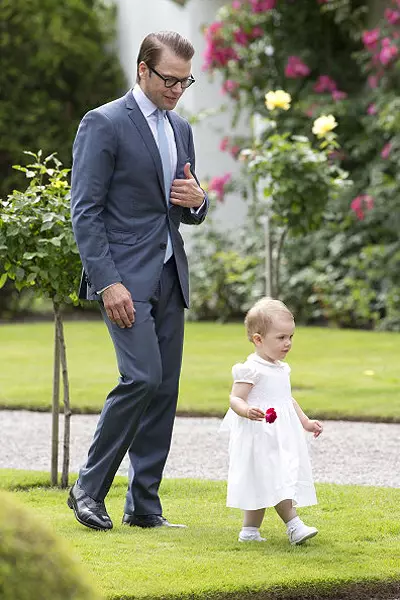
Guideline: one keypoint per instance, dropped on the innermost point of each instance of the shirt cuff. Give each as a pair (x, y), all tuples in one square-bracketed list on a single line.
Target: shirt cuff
[(195, 211), (104, 289)]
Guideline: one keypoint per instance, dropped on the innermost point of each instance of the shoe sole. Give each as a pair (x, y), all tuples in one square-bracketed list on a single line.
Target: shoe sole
[(171, 525), (72, 507), (246, 541), (308, 536)]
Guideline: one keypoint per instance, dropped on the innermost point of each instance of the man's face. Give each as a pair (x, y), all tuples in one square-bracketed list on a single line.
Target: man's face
[(169, 65)]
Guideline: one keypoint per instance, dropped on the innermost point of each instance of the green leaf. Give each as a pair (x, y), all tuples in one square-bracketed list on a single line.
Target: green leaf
[(19, 273), (3, 279), (46, 225), (29, 255), (31, 277)]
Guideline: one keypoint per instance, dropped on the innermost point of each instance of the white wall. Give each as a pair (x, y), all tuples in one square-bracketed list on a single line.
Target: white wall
[(137, 18)]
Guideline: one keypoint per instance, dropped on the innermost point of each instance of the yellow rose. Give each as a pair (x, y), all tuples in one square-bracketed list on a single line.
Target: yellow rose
[(324, 125), (278, 99)]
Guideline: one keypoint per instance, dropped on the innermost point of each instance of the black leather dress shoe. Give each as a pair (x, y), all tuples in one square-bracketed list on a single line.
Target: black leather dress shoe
[(147, 521), (87, 511)]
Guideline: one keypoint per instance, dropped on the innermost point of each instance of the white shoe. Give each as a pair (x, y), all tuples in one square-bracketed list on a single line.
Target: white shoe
[(301, 533), (251, 537)]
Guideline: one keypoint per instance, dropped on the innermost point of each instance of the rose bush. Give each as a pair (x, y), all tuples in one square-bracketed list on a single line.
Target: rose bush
[(332, 59)]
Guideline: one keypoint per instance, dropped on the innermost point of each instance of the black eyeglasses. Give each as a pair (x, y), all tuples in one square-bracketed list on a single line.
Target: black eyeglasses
[(170, 82)]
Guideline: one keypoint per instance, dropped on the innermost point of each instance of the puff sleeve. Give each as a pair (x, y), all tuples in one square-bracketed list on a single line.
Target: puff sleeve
[(245, 373)]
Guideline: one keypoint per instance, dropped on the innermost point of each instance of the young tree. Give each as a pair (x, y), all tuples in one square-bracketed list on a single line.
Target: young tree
[(38, 250)]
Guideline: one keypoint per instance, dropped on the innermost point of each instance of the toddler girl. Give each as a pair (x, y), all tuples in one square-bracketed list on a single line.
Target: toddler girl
[(268, 457)]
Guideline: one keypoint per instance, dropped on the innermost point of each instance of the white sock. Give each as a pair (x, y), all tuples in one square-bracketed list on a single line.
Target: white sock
[(249, 531), (295, 522)]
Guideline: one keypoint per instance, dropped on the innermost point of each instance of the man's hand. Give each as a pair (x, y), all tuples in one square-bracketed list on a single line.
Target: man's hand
[(119, 307), (186, 192)]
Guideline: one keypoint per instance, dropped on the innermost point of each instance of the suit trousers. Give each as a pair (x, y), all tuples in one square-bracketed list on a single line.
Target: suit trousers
[(138, 414)]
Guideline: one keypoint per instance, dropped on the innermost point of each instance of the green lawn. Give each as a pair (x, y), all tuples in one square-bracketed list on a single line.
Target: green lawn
[(335, 373), (358, 543)]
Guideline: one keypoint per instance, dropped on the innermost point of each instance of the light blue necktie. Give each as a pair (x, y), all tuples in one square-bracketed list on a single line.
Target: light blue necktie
[(166, 165)]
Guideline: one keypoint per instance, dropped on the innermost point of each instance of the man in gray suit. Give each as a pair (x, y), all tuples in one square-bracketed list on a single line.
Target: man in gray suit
[(133, 183)]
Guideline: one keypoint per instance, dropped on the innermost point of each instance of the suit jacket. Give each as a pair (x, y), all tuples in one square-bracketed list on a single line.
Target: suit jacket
[(119, 212)]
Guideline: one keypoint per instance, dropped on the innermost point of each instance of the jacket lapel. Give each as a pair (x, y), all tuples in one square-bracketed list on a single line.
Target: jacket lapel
[(139, 121), (182, 156)]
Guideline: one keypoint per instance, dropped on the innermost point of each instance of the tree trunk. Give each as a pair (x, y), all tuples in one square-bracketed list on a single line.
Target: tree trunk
[(268, 255), (277, 268), (66, 402), (55, 403)]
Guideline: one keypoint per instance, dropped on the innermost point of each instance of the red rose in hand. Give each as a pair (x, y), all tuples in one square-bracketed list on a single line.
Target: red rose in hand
[(270, 415)]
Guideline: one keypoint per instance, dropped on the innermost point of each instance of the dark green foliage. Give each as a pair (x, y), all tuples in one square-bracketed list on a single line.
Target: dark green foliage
[(57, 62)]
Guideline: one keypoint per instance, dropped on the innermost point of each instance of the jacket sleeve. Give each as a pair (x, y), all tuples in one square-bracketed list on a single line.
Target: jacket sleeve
[(94, 154), (189, 216)]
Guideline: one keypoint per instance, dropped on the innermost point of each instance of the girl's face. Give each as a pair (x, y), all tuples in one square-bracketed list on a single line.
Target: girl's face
[(278, 339)]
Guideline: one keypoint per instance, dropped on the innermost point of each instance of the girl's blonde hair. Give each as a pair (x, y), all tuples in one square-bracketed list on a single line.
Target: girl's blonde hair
[(260, 316)]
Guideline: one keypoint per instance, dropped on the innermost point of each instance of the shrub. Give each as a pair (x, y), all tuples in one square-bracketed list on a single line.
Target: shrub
[(34, 563)]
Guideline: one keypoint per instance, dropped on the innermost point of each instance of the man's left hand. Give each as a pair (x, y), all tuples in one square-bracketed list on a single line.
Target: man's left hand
[(186, 192)]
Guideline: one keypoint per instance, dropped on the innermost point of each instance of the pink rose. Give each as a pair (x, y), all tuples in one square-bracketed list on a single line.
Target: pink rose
[(240, 37), (217, 185), (370, 38), (296, 68), (256, 32), (338, 95), (224, 144), (230, 87), (388, 52), (259, 6), (372, 110), (392, 16), (325, 83), (361, 203), (216, 54), (373, 81), (270, 415), (386, 151), (234, 151)]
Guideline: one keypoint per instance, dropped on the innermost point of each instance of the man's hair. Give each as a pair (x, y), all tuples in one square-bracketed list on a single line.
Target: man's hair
[(153, 44), (260, 316)]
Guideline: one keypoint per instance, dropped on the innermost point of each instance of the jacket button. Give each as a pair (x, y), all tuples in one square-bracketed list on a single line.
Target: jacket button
[(163, 246)]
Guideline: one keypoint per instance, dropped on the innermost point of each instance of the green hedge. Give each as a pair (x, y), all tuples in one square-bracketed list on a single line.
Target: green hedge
[(57, 61)]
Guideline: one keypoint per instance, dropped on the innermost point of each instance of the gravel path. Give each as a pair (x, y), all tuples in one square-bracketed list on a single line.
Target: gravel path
[(347, 452)]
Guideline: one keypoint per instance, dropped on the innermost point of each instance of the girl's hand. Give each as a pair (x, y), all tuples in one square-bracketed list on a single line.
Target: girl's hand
[(255, 414), (313, 426)]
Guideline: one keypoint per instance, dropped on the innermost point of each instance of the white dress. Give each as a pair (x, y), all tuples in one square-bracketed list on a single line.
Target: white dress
[(268, 462)]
